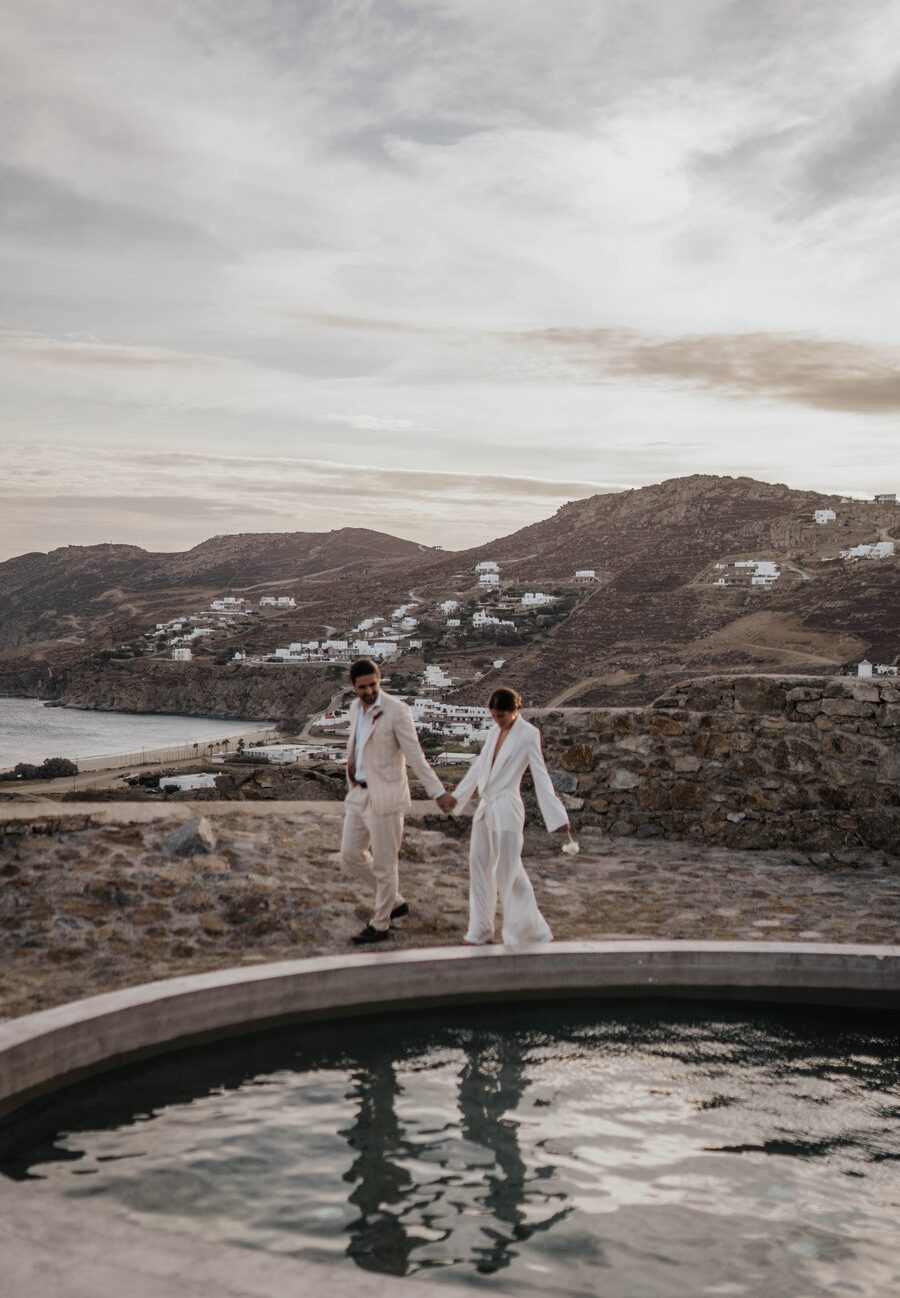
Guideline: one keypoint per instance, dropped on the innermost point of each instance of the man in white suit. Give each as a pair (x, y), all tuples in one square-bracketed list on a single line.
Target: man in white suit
[(382, 740)]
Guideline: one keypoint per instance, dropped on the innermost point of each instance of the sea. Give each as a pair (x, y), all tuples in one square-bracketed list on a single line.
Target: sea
[(31, 731)]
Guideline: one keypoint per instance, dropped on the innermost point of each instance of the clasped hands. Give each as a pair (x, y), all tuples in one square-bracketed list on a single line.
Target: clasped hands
[(447, 803)]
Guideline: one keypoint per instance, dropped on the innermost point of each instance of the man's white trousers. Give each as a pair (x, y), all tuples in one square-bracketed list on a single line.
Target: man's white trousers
[(372, 843)]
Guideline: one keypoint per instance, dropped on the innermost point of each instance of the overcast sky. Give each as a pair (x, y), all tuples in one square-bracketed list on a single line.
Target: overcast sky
[(436, 266)]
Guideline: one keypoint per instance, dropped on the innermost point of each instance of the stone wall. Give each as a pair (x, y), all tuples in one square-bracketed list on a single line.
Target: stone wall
[(744, 761)]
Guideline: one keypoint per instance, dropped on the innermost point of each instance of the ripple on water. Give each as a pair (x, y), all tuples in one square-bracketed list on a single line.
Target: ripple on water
[(647, 1150)]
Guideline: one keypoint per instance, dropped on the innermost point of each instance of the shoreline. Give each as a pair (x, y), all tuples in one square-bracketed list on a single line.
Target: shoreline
[(181, 750)]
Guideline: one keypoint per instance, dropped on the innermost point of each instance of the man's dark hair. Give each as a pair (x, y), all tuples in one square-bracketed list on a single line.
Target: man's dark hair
[(363, 667), (505, 700)]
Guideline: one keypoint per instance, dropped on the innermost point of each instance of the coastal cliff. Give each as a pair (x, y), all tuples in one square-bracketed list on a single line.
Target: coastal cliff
[(190, 689)]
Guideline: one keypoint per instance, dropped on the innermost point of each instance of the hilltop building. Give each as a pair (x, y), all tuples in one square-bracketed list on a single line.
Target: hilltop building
[(824, 515), (449, 606), (886, 498), (487, 565), (436, 678), (877, 550), (536, 599), (584, 576), (481, 619), (182, 654), (489, 579), (864, 668)]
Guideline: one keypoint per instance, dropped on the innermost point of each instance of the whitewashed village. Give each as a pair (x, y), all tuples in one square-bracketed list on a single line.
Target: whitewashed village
[(490, 608)]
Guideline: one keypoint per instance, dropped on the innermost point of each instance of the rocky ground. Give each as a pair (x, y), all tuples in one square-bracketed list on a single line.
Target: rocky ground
[(93, 901)]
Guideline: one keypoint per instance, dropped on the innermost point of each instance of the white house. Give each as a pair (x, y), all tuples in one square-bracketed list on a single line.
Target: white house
[(745, 563), (436, 677), (824, 515), (454, 759), (878, 550), (384, 649), (227, 604), (864, 668), (409, 623), (425, 707), (453, 621), (489, 579), (536, 599), (449, 606), (286, 601), (367, 623), (266, 600), (766, 572), (498, 663), (178, 783), (487, 565), (886, 498), (416, 644), (182, 654), (585, 575), (239, 656), (481, 619), (336, 646)]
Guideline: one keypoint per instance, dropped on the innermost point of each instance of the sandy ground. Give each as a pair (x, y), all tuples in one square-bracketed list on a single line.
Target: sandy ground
[(93, 902)]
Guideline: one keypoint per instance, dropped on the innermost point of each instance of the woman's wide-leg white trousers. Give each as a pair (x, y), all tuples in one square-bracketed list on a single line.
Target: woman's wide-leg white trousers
[(496, 872)]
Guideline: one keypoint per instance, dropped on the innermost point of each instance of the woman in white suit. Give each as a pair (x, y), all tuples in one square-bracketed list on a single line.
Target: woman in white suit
[(495, 853)]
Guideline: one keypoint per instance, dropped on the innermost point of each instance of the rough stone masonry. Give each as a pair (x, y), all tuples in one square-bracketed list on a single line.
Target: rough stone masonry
[(740, 761)]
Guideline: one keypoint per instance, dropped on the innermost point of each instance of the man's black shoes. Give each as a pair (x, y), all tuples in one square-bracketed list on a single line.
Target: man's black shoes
[(370, 935), (401, 911)]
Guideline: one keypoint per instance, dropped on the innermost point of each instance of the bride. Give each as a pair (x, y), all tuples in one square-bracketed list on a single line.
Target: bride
[(495, 853)]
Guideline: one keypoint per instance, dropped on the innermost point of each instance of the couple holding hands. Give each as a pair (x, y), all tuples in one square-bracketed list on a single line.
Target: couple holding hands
[(382, 740)]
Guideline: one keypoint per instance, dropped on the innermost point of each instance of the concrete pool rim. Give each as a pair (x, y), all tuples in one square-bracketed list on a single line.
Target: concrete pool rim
[(51, 1049), (55, 1248)]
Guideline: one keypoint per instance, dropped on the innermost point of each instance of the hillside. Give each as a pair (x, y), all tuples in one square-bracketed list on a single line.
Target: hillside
[(81, 592), (660, 607)]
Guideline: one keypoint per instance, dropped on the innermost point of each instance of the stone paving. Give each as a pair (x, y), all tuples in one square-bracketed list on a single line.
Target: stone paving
[(90, 903)]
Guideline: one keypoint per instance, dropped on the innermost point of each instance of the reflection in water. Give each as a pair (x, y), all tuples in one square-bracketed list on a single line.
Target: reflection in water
[(491, 1084), (397, 1215), (681, 1149), (379, 1240)]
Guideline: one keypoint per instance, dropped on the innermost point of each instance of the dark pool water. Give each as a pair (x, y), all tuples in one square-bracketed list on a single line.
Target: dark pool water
[(624, 1151)]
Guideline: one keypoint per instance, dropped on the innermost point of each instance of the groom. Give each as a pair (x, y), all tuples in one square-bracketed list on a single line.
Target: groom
[(382, 740)]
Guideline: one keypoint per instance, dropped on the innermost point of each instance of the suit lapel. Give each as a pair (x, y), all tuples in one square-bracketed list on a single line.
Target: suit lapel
[(351, 738), (512, 741)]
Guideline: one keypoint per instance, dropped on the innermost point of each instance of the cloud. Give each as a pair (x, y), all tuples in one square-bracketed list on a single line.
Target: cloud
[(823, 374), (241, 493), (600, 240)]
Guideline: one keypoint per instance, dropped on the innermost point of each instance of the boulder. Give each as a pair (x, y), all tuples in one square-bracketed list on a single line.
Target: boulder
[(195, 838)]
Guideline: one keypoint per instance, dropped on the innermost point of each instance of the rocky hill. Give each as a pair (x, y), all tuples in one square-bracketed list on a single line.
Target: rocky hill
[(655, 613), (81, 591)]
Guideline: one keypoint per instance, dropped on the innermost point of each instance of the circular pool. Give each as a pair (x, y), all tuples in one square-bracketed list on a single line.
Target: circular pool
[(623, 1149)]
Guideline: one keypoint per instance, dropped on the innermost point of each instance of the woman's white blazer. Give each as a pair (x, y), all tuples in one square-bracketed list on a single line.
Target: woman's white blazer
[(498, 785)]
